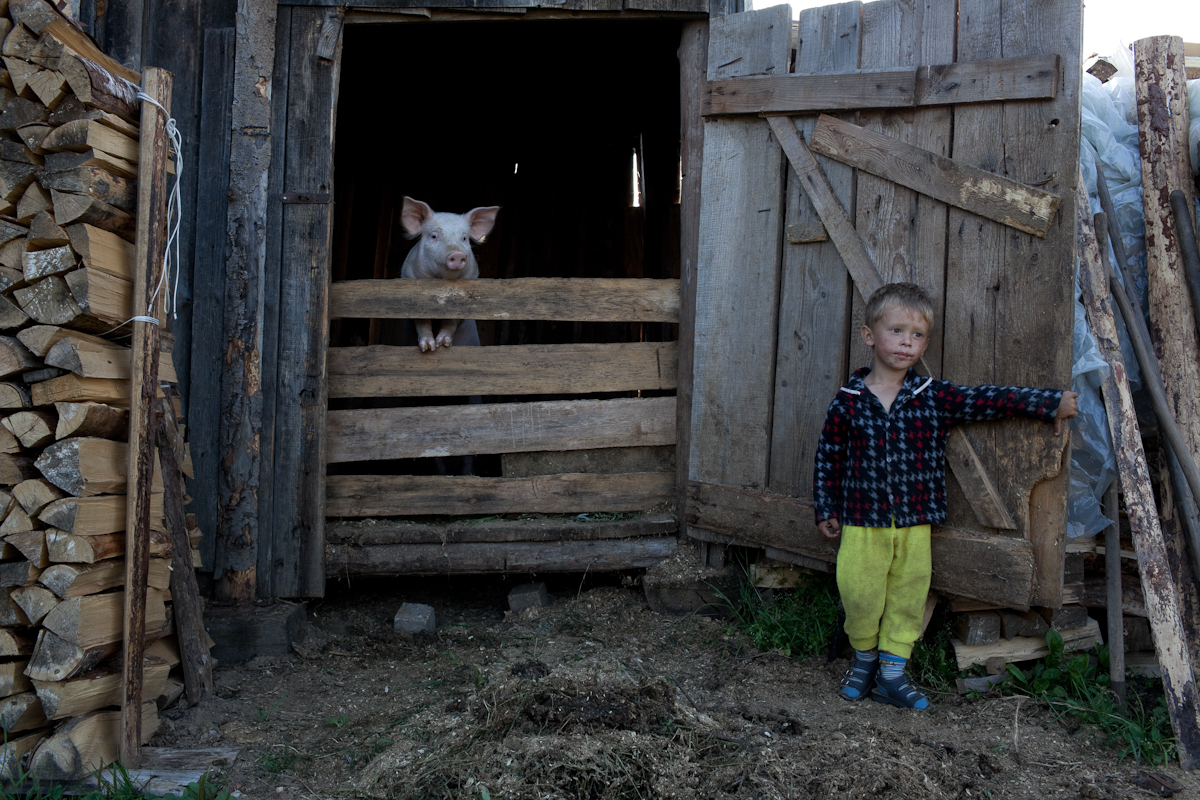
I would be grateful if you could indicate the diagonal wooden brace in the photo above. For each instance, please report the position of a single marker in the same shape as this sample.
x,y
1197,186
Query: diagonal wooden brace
x,y
976,484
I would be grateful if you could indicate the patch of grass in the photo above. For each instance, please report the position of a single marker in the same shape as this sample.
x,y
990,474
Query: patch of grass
x,y
1080,686
798,622
264,714
276,764
933,664
337,721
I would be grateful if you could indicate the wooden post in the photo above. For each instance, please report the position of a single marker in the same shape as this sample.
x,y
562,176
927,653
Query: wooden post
x,y
151,242
1116,614
241,422
1161,88
1162,603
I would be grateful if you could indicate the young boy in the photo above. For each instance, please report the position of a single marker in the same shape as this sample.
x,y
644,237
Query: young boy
x,y
880,482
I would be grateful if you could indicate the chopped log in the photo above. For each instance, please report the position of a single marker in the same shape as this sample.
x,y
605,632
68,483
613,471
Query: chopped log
x,y
35,199
12,256
978,627
19,112
86,744
10,231
97,619
11,316
69,208
49,302
1035,624
15,643
35,494
92,182
167,649
15,468
20,712
103,296
95,689
74,389
15,357
1066,618
14,395
92,516
49,87
40,263
98,87
92,419
71,580
9,443
18,573
99,358
85,466
85,134
57,162
72,548
36,15
19,42
103,250
13,679
72,108
18,151
43,374
172,690
11,614
14,749
15,177
19,73
10,278
45,233
40,338
32,133
32,545
35,601
55,659
32,428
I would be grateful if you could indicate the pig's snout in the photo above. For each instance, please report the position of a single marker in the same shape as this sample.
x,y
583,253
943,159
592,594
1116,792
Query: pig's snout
x,y
456,261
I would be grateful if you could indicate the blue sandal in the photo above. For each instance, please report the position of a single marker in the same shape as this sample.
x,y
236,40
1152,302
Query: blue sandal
x,y
899,693
858,678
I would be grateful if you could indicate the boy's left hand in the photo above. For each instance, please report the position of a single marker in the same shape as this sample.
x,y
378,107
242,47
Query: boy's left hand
x,y
1068,407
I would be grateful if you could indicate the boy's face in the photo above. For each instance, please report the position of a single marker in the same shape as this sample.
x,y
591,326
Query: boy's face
x,y
899,338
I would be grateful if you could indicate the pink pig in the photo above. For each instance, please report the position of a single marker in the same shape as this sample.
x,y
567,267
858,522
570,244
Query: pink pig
x,y
444,251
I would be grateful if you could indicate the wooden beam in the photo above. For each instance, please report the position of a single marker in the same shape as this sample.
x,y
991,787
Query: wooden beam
x,y
1162,604
151,243
979,488
544,529
992,80
409,495
1025,648
981,192
384,371
390,433
573,299
518,557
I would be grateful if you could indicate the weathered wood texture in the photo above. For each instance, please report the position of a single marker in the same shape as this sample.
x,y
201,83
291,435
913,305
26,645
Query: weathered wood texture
x,y
579,300
1162,604
498,530
737,274
241,367
1161,89
384,371
409,495
376,434
148,264
437,559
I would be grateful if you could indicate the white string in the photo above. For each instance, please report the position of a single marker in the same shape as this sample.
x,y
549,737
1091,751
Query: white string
x,y
174,217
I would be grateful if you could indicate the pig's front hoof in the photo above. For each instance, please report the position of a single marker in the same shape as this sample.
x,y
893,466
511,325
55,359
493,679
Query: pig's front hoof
x,y
427,345
444,340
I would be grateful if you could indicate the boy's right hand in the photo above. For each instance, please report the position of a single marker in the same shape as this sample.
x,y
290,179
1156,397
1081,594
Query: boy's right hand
x,y
830,528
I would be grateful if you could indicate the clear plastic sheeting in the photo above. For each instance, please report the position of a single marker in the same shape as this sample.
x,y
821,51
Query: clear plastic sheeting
x,y
1093,462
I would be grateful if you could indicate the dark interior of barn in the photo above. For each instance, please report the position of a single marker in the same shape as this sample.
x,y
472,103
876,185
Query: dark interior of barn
x,y
583,161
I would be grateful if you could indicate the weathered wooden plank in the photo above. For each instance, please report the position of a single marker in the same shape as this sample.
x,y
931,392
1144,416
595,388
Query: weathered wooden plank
x,y
372,532
574,299
978,191
905,86
814,304
299,430
1162,603
390,433
413,495
737,275
383,371
437,559
605,461
208,290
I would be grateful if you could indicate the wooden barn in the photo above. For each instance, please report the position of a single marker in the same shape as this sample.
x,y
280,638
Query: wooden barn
x,y
694,201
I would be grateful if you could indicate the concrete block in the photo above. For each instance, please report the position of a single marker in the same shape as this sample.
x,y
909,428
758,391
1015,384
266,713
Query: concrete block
x,y
528,595
415,618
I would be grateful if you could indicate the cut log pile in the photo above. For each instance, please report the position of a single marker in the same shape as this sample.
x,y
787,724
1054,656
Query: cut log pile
x,y
69,156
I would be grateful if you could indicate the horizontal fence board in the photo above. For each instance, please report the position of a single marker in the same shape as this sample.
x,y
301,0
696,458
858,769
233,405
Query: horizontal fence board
x,y
388,433
566,299
436,559
418,495
385,371
546,529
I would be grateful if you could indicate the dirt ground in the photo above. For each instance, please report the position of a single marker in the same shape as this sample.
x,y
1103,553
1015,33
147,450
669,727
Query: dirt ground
x,y
599,697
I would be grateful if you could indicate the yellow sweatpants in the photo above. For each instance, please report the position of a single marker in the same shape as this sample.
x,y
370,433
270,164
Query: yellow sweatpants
x,y
883,577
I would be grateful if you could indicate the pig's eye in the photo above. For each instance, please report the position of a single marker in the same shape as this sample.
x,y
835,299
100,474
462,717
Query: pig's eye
x,y
464,238
433,236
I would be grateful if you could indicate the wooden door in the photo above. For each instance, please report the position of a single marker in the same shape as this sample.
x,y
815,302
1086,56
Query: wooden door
x,y
929,97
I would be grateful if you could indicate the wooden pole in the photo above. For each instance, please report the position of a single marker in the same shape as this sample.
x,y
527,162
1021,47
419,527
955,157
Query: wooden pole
x,y
151,243
1162,602
1116,614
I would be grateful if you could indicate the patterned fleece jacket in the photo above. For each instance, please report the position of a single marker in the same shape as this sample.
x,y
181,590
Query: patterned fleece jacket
x,y
872,464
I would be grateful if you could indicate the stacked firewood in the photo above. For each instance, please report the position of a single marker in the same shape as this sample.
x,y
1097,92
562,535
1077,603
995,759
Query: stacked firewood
x,y
68,170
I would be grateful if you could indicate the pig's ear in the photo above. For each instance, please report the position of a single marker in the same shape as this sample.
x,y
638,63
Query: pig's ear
x,y
481,221
413,215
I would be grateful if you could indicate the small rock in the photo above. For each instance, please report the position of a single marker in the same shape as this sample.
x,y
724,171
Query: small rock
x,y
415,618
528,595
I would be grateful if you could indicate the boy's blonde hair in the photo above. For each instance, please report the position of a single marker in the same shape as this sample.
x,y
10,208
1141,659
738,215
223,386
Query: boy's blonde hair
x,y
907,295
